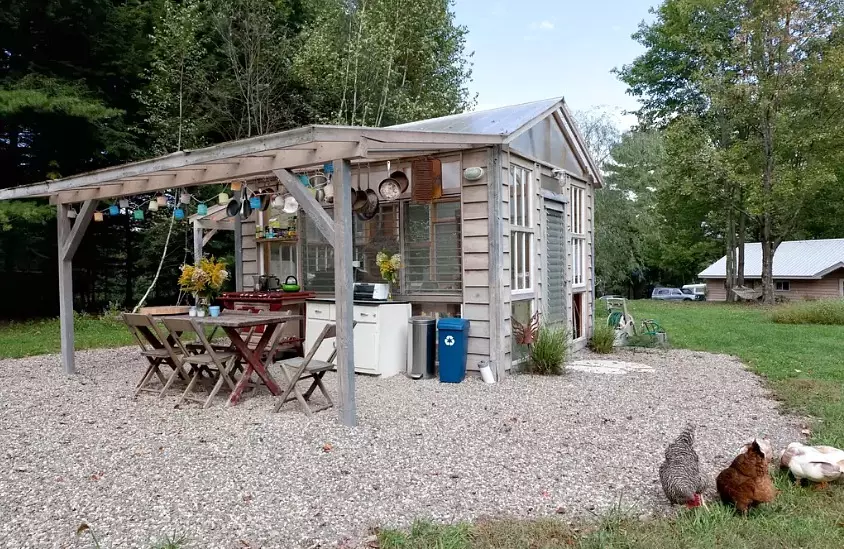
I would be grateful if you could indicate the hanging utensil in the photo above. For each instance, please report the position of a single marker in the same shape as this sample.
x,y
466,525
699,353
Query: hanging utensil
x,y
290,205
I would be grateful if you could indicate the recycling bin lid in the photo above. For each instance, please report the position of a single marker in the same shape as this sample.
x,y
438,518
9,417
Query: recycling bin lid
x,y
421,320
457,324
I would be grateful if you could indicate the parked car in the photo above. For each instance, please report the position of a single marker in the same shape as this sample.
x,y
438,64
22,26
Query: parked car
x,y
697,290
671,294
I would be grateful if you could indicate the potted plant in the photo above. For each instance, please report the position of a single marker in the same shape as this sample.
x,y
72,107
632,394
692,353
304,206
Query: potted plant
x,y
205,281
389,266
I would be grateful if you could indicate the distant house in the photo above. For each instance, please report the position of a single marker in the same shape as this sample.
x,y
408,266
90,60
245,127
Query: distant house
x,y
802,269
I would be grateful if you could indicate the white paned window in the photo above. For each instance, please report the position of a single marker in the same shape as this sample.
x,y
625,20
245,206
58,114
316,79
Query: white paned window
x,y
577,228
521,230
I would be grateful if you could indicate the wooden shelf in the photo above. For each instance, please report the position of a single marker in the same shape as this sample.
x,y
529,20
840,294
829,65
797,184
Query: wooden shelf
x,y
278,239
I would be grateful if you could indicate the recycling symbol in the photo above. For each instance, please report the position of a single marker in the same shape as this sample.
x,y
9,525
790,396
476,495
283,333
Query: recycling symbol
x,y
449,340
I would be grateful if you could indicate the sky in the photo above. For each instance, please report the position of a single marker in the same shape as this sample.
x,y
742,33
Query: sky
x,y
526,50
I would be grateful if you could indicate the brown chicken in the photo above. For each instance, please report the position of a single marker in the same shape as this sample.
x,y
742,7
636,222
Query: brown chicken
x,y
746,482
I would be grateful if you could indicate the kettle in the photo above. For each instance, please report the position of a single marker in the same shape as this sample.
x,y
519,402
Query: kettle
x,y
266,283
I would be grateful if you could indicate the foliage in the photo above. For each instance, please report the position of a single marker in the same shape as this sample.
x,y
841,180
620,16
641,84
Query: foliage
x,y
822,311
548,352
389,265
382,62
603,338
204,279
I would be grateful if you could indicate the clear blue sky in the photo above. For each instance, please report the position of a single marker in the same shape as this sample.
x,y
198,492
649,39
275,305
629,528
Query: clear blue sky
x,y
534,49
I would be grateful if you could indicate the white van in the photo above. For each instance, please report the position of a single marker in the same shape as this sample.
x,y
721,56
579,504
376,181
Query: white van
x,y
698,290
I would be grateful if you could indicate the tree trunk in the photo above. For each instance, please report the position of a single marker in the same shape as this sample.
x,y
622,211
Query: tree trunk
x,y
768,246
767,264
742,229
730,244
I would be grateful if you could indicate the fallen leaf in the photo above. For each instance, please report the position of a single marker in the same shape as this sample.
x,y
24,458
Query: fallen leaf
x,y
82,529
327,447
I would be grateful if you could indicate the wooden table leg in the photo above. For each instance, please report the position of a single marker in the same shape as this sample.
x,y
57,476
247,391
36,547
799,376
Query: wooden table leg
x,y
252,357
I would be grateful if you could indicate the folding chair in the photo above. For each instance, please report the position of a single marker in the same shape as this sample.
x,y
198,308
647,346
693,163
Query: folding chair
x,y
157,350
301,368
207,360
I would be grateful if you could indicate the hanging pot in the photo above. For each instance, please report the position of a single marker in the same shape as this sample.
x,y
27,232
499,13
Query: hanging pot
x,y
290,205
233,207
222,199
246,209
278,201
359,201
319,195
371,207
389,189
400,177
266,199
328,188
202,209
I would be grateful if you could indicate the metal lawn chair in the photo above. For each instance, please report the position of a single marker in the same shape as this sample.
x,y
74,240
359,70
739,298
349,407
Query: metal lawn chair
x,y
158,350
299,369
205,360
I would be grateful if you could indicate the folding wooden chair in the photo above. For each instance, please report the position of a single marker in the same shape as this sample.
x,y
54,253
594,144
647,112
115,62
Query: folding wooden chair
x,y
157,350
207,360
301,368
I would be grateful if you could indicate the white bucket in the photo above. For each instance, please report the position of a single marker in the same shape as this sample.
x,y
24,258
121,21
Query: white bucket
x,y
486,372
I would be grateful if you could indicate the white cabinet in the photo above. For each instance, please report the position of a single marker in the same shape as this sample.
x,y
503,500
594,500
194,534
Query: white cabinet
x,y
380,334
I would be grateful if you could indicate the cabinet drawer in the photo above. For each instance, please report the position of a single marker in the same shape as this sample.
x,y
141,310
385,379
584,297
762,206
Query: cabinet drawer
x,y
319,311
366,315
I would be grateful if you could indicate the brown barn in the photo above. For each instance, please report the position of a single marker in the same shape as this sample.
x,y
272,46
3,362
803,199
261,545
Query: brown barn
x,y
802,269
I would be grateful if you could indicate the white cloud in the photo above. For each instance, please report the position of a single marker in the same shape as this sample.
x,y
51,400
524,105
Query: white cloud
x,y
544,25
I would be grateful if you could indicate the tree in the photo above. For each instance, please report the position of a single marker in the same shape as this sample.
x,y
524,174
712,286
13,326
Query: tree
x,y
382,62
758,77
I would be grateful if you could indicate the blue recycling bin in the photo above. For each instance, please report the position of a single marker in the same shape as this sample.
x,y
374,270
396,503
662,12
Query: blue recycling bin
x,y
453,344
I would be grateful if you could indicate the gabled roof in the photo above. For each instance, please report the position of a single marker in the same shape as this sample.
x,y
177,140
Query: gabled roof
x,y
810,259
501,121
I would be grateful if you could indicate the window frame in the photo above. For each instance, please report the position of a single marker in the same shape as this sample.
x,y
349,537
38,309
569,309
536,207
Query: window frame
x,y
782,285
431,245
527,248
578,233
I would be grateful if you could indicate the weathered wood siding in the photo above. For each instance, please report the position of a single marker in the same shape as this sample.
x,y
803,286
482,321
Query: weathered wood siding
x,y
828,287
506,296
474,203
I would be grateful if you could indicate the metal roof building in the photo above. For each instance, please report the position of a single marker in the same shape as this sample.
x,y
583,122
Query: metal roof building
x,y
796,259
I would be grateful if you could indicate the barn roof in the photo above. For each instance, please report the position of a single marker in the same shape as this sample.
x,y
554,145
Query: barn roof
x,y
810,259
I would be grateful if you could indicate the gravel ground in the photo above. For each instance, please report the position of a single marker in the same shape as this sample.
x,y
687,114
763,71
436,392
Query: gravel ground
x,y
82,449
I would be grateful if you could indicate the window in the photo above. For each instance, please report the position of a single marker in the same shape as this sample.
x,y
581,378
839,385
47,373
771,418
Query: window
x,y
451,177
521,311
577,226
370,237
432,248
521,230
782,286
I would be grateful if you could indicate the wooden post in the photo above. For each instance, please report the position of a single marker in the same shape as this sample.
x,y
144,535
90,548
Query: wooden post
x,y
344,289
68,242
238,253
197,243
496,265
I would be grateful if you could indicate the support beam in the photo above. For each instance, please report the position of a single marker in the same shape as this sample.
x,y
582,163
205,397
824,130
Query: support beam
x,y
238,254
83,219
198,243
344,290
217,171
306,200
68,243
208,236
496,264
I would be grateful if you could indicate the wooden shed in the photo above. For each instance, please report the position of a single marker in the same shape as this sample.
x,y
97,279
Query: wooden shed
x,y
496,222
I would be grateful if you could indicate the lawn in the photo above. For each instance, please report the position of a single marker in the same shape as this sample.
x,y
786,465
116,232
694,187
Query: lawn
x,y
38,337
802,364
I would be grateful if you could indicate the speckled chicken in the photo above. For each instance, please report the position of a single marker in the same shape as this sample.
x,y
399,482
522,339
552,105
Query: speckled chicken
x,y
680,472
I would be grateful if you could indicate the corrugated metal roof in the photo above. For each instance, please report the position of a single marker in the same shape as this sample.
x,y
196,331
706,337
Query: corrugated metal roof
x,y
500,121
793,259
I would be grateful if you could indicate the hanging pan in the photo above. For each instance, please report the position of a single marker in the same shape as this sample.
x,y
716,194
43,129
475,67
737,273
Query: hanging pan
x,y
372,206
233,207
394,186
266,199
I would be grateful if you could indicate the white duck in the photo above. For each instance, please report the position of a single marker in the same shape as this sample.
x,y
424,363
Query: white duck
x,y
821,464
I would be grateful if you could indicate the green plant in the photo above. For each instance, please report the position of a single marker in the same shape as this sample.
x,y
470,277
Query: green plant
x,y
824,311
548,352
603,338
171,542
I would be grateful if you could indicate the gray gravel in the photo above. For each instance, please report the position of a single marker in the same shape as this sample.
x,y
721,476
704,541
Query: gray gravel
x,y
81,449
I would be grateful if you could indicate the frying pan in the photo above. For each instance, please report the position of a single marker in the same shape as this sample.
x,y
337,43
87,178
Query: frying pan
x,y
359,200
233,207
372,206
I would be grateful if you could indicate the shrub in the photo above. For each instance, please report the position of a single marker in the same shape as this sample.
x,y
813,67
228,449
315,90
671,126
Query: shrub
x,y
823,311
603,338
548,353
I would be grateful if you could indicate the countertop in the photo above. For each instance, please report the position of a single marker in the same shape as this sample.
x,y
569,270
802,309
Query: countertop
x,y
361,301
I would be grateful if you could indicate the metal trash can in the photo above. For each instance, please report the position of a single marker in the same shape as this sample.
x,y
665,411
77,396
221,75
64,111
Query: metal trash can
x,y
421,347
453,348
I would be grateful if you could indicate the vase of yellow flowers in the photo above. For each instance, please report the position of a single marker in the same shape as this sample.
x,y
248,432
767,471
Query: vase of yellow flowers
x,y
205,281
389,266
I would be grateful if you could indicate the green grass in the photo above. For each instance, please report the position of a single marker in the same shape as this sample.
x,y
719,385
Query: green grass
x,y
823,311
803,366
38,337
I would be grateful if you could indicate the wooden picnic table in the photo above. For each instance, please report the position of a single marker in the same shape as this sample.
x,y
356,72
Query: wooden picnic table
x,y
233,324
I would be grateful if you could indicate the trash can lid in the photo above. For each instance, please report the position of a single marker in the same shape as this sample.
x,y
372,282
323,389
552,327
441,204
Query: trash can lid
x,y
421,320
457,324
